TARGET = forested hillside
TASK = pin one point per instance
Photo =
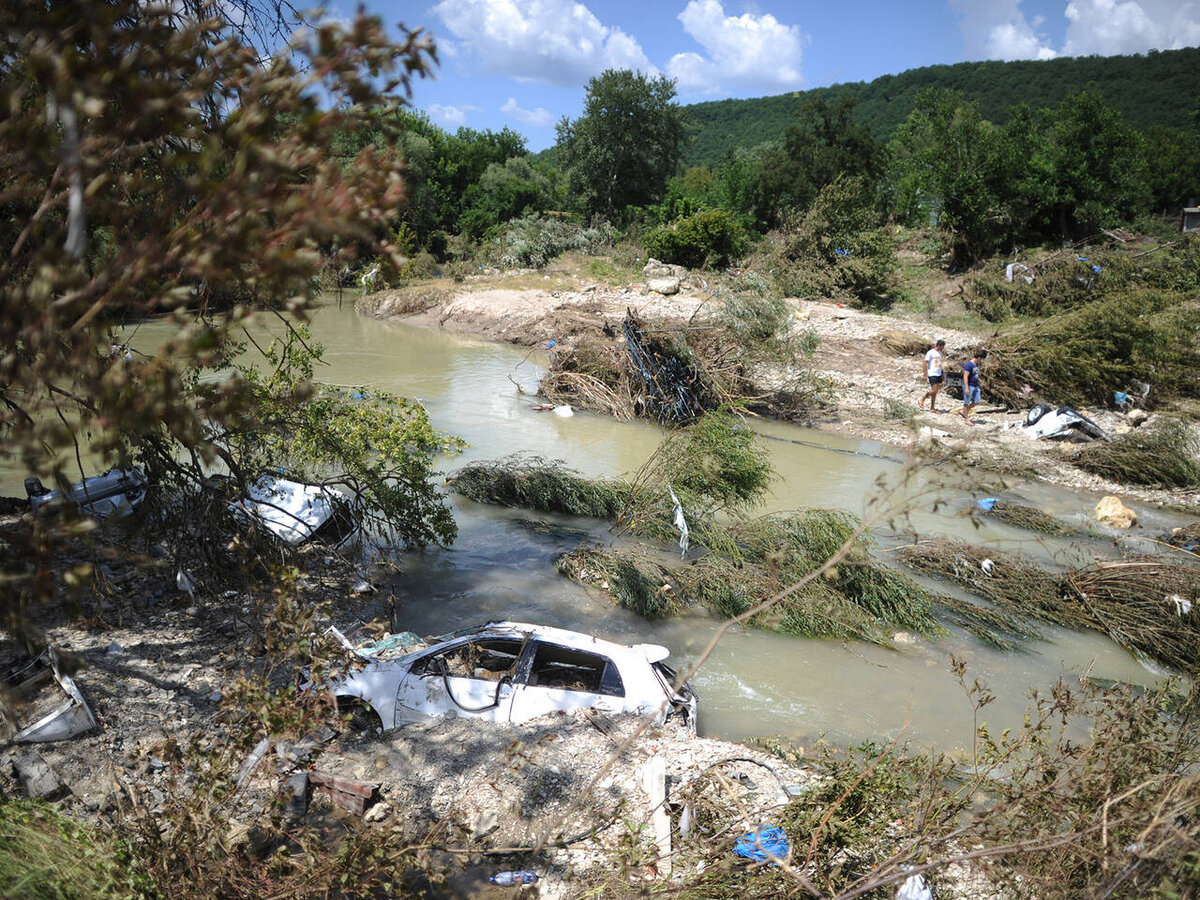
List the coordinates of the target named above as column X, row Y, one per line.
column 1160, row 88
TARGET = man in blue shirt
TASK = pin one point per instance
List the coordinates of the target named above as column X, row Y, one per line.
column 971, row 384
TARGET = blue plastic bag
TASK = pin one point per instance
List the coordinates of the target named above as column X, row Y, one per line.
column 986, row 503
column 768, row 842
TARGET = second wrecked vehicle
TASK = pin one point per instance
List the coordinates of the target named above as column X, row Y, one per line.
column 513, row 672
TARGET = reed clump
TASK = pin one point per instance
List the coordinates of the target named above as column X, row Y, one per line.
column 1163, row 456
column 1027, row 517
column 531, row 482
column 1145, row 604
column 632, row 579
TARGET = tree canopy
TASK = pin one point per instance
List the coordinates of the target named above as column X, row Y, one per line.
column 626, row 144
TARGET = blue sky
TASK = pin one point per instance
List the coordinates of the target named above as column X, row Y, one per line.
column 525, row 64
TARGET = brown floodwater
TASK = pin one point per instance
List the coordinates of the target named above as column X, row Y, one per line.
column 754, row 684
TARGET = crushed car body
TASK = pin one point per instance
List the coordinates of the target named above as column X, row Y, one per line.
column 292, row 510
column 115, row 493
column 49, row 705
column 514, row 672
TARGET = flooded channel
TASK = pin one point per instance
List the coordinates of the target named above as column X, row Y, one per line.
column 754, row 684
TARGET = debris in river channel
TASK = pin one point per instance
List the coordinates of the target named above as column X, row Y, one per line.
column 1131, row 600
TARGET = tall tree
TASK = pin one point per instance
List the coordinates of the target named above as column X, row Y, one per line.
column 944, row 165
column 627, row 143
column 824, row 142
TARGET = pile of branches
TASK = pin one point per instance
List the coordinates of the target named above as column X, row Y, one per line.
column 656, row 373
column 530, row 482
column 1164, row 456
column 749, row 562
column 1147, row 605
column 1083, row 356
column 632, row 579
column 1028, row 517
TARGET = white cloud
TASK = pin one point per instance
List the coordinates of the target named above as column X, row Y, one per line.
column 1016, row 40
column 557, row 42
column 997, row 29
column 534, row 118
column 1110, row 27
column 744, row 53
column 449, row 116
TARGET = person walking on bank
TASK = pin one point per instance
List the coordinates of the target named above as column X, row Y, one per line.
column 933, row 372
column 971, row 384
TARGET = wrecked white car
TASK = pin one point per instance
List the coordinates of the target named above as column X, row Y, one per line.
column 296, row 512
column 115, row 493
column 513, row 672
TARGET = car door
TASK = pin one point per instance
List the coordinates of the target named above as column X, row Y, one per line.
column 471, row 676
column 557, row 678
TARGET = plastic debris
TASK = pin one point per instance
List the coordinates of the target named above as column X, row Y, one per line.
column 680, row 523
column 987, row 565
column 550, row 345
column 510, row 879
column 986, row 503
column 1183, row 605
column 840, row 252
column 914, row 888
column 763, row 844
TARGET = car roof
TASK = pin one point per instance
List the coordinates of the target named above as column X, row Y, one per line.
column 576, row 639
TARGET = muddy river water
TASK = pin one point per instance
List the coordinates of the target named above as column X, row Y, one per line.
column 754, row 684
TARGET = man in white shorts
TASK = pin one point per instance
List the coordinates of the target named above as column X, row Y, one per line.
column 933, row 372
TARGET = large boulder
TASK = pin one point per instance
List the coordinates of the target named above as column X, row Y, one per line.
column 655, row 269
column 1112, row 511
column 664, row 286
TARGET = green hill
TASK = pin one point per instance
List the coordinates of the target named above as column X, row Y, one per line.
column 1159, row 88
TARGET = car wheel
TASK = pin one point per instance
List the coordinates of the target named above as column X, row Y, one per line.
column 361, row 718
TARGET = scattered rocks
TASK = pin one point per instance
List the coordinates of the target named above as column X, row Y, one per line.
column 37, row 778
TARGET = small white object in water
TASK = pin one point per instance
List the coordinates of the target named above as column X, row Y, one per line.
column 987, row 565
column 564, row 410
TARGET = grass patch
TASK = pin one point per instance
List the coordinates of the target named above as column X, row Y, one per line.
column 45, row 855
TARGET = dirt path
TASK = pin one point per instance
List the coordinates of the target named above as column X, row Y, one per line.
column 872, row 363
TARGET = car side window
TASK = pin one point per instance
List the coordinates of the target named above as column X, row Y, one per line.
column 487, row 659
column 574, row 670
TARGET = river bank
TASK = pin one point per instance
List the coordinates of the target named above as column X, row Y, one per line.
column 871, row 362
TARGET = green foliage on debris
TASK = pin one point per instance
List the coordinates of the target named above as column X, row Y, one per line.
column 838, row 249
column 1028, row 517
column 531, row 482
column 1163, row 455
column 633, row 580
column 749, row 563
column 1083, row 356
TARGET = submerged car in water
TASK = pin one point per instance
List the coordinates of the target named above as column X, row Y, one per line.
column 513, row 672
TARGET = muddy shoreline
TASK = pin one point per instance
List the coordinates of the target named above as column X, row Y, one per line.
column 871, row 384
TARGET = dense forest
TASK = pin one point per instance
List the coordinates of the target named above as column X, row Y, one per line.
column 1159, row 88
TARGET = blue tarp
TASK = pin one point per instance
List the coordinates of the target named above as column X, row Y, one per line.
column 768, row 842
